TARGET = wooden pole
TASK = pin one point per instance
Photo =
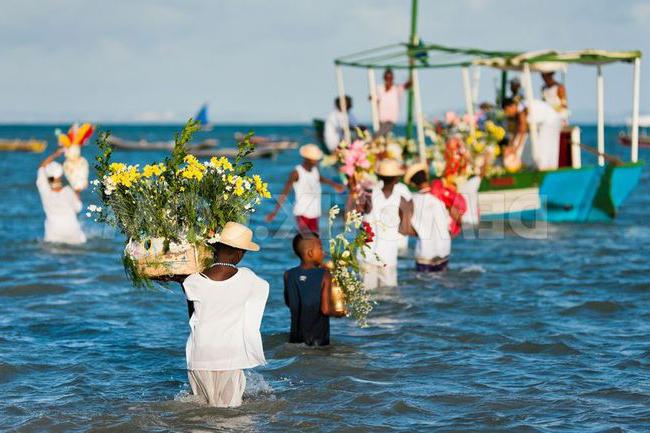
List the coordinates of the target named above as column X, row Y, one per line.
column 634, row 157
column 469, row 105
column 373, row 99
column 418, row 116
column 532, row 126
column 413, row 39
column 476, row 84
column 600, row 97
column 343, row 103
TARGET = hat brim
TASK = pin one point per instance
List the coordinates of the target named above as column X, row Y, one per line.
column 391, row 173
column 250, row 246
column 311, row 157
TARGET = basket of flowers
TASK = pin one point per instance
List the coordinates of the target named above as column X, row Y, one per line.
column 348, row 293
column 171, row 211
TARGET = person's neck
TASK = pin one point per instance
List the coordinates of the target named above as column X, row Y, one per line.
column 424, row 187
column 309, row 264
column 387, row 189
column 307, row 166
column 221, row 272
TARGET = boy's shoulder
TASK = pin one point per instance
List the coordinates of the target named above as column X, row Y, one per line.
column 253, row 277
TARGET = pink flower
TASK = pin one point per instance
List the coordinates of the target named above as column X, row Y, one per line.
column 451, row 118
column 469, row 119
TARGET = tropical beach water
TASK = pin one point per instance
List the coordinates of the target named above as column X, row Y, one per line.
column 547, row 333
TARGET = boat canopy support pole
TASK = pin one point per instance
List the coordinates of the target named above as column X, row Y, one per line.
column 418, row 115
column 600, row 96
column 373, row 99
column 469, row 104
column 476, row 83
column 532, row 126
column 343, row 103
column 634, row 156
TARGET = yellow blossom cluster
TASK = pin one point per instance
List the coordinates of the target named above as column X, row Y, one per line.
column 123, row 175
column 262, row 188
column 221, row 162
column 495, row 131
column 194, row 169
column 153, row 170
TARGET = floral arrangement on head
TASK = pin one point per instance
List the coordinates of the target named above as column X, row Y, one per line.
column 181, row 200
column 77, row 135
column 345, row 248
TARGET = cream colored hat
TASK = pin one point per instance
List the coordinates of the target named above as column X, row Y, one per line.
column 238, row 236
column 390, row 168
column 410, row 172
column 311, row 151
column 54, row 169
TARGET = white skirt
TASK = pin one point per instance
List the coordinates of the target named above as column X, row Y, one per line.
column 218, row 388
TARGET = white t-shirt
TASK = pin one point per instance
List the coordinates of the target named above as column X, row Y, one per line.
column 61, row 209
column 307, row 191
column 384, row 220
column 431, row 222
column 225, row 326
column 389, row 102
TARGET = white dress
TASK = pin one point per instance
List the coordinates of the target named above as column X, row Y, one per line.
column 224, row 334
column 61, row 209
column 549, row 126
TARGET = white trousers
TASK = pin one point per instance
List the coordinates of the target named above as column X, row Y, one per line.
column 375, row 276
column 218, row 388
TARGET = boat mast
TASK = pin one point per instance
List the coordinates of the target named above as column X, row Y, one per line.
column 413, row 40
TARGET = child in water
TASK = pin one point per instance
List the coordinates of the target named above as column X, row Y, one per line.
column 307, row 293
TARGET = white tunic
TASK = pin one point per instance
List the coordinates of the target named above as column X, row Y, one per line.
column 225, row 326
column 549, row 126
column 389, row 102
column 61, row 209
column 431, row 222
column 384, row 220
column 307, row 191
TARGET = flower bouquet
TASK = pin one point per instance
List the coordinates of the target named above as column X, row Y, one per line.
column 172, row 210
column 75, row 166
column 349, row 294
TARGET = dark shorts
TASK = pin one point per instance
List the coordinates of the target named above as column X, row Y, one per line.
column 432, row 267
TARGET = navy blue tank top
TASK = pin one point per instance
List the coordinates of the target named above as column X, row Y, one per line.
column 302, row 294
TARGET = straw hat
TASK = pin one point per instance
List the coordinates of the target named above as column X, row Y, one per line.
column 238, row 236
column 390, row 168
column 311, row 151
column 410, row 172
column 54, row 169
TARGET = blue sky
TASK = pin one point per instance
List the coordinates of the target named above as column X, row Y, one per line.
column 271, row 61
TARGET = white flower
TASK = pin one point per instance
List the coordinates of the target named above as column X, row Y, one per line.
column 88, row 214
column 214, row 239
column 334, row 211
column 345, row 254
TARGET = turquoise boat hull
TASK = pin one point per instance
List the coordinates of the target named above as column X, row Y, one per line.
column 590, row 193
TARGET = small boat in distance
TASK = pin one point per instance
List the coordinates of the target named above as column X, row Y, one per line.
column 202, row 118
column 16, row 145
column 625, row 137
column 120, row 143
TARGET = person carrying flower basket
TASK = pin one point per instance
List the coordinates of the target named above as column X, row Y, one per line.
column 228, row 304
column 307, row 290
column 306, row 181
column 388, row 214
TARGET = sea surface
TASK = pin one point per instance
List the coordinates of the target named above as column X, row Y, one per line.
column 544, row 333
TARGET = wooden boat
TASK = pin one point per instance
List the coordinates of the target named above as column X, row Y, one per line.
column 625, row 137
column 31, row 145
column 230, row 152
column 274, row 143
column 123, row 144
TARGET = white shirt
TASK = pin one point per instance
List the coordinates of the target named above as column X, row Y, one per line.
column 431, row 222
column 333, row 131
column 384, row 220
column 225, row 326
column 389, row 102
column 307, row 190
column 61, row 209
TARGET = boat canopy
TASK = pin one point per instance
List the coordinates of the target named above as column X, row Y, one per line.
column 425, row 56
column 550, row 60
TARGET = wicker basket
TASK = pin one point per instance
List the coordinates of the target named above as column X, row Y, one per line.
column 153, row 258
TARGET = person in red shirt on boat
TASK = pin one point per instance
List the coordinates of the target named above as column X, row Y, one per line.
column 306, row 182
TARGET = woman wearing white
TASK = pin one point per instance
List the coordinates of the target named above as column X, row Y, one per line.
column 60, row 203
column 228, row 305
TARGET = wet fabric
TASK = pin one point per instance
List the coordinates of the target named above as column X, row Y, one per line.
column 302, row 294
column 218, row 388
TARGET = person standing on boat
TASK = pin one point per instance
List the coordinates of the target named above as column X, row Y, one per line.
column 389, row 96
column 390, row 209
column 430, row 223
column 334, row 125
column 227, row 308
column 554, row 94
column 546, row 153
column 60, row 203
column 306, row 181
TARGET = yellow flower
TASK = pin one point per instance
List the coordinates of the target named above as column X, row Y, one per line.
column 221, row 162
column 117, row 166
column 239, row 188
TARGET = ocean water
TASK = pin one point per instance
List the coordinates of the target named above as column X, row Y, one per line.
column 544, row 333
